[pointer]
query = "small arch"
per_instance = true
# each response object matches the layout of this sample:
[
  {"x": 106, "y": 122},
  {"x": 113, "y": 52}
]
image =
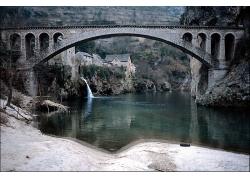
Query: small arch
[
  {"x": 215, "y": 45},
  {"x": 15, "y": 42},
  {"x": 79, "y": 69},
  {"x": 57, "y": 37},
  {"x": 44, "y": 41},
  {"x": 202, "y": 40},
  {"x": 229, "y": 46},
  {"x": 30, "y": 45},
  {"x": 187, "y": 37}
]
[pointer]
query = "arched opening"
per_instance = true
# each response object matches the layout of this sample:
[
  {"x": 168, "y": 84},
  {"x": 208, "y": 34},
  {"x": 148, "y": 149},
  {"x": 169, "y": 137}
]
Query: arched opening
[
  {"x": 187, "y": 37},
  {"x": 229, "y": 46},
  {"x": 15, "y": 42},
  {"x": 30, "y": 45},
  {"x": 44, "y": 41},
  {"x": 79, "y": 70},
  {"x": 57, "y": 37},
  {"x": 202, "y": 40},
  {"x": 215, "y": 45}
]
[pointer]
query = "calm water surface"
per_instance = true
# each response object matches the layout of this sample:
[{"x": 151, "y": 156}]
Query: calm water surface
[{"x": 112, "y": 122}]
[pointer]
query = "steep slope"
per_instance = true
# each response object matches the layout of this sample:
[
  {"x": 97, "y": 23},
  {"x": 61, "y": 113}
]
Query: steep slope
[{"x": 84, "y": 15}]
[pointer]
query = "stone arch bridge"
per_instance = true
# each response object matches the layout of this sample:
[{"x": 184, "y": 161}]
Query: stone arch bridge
[{"x": 212, "y": 46}]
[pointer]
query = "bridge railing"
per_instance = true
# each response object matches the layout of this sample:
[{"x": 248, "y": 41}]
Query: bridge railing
[{"x": 123, "y": 25}]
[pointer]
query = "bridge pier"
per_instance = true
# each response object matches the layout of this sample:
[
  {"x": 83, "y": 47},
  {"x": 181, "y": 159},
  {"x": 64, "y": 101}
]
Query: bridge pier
[
  {"x": 31, "y": 83},
  {"x": 214, "y": 75},
  {"x": 208, "y": 45},
  {"x": 222, "y": 58},
  {"x": 23, "y": 50}
]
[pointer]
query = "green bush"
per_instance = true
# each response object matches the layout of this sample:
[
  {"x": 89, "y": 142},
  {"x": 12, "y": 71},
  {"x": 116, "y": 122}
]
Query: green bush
[{"x": 212, "y": 22}]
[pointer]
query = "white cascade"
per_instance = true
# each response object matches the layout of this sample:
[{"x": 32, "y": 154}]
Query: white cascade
[
  {"x": 154, "y": 88},
  {"x": 90, "y": 95}
]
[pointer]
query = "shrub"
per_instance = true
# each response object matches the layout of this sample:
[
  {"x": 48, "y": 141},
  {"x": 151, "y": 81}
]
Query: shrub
[
  {"x": 212, "y": 22},
  {"x": 17, "y": 99},
  {"x": 3, "y": 119}
]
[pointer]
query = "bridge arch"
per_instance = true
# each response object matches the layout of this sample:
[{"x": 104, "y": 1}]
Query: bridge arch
[
  {"x": 44, "y": 40},
  {"x": 229, "y": 46},
  {"x": 95, "y": 33},
  {"x": 202, "y": 40},
  {"x": 30, "y": 45},
  {"x": 215, "y": 44},
  {"x": 188, "y": 37},
  {"x": 56, "y": 35},
  {"x": 15, "y": 41}
]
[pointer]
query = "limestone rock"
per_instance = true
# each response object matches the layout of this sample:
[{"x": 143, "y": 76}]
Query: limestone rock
[{"x": 232, "y": 91}]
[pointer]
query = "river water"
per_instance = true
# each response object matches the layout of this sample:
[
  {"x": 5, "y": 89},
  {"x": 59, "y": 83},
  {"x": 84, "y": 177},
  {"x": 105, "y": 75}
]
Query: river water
[{"x": 112, "y": 122}]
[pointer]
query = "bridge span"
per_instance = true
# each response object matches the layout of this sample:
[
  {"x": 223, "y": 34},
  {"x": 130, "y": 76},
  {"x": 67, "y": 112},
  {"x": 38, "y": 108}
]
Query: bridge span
[{"x": 212, "y": 46}]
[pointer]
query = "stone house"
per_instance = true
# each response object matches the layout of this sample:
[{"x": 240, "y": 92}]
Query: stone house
[
  {"x": 83, "y": 58},
  {"x": 121, "y": 60}
]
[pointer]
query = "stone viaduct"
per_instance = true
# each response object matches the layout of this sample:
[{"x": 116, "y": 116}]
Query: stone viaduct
[{"x": 212, "y": 46}]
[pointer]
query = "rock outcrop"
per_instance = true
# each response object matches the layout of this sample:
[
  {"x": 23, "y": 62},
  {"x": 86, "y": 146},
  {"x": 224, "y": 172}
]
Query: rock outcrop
[
  {"x": 210, "y": 15},
  {"x": 232, "y": 91}
]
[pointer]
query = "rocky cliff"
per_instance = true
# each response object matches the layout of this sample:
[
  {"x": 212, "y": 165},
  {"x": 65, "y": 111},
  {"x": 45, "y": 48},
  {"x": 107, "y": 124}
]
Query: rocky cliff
[
  {"x": 85, "y": 15},
  {"x": 210, "y": 15},
  {"x": 233, "y": 90}
]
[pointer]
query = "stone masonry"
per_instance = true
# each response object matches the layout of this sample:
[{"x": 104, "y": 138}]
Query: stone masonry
[{"x": 173, "y": 35}]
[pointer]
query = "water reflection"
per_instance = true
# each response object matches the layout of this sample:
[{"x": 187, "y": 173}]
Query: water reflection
[
  {"x": 87, "y": 108},
  {"x": 113, "y": 122}
]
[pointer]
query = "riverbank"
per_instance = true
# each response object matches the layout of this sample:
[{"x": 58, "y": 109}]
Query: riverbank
[{"x": 25, "y": 148}]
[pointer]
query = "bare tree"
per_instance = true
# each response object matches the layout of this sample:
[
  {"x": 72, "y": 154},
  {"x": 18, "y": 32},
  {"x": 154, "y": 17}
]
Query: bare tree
[{"x": 8, "y": 64}]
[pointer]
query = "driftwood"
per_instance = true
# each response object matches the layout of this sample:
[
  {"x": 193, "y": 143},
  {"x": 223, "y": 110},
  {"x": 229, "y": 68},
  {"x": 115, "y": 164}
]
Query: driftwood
[{"x": 59, "y": 107}]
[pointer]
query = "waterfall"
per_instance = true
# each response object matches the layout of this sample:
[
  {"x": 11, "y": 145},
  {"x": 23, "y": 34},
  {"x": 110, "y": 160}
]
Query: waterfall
[
  {"x": 32, "y": 88},
  {"x": 154, "y": 89},
  {"x": 90, "y": 95}
]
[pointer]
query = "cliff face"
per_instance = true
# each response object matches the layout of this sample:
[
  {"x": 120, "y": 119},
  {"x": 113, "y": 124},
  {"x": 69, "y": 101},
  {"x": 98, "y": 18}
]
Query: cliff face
[
  {"x": 84, "y": 15},
  {"x": 233, "y": 90},
  {"x": 210, "y": 15}
]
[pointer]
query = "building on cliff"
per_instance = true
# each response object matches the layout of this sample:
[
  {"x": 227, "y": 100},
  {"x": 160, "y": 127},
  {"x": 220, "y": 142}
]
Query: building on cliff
[
  {"x": 121, "y": 60},
  {"x": 83, "y": 58}
]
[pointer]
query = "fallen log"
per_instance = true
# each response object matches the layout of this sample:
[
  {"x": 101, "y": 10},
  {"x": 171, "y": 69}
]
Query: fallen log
[{"x": 52, "y": 105}]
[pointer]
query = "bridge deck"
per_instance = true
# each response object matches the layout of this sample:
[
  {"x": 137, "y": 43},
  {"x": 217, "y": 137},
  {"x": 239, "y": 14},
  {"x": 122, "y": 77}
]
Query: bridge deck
[{"x": 119, "y": 26}]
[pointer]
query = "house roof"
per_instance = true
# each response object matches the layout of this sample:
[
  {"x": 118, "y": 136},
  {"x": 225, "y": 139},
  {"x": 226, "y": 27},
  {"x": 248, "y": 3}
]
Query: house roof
[
  {"x": 121, "y": 57},
  {"x": 85, "y": 54}
]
